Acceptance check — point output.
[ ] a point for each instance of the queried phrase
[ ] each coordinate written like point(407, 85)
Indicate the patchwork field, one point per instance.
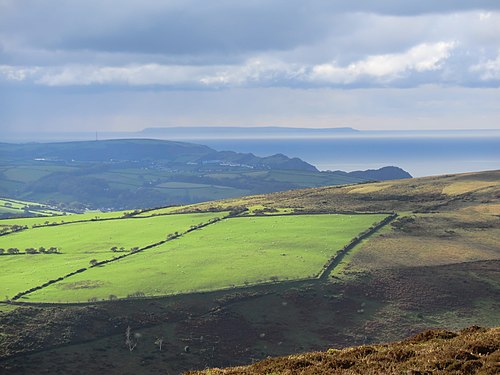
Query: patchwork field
point(435, 265)
point(16, 207)
point(241, 251)
point(235, 252)
point(78, 243)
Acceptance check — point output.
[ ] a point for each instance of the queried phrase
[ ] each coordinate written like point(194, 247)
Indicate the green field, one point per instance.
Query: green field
point(88, 216)
point(16, 207)
point(234, 252)
point(78, 244)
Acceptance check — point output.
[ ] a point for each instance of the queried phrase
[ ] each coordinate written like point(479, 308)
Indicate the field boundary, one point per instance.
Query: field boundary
point(337, 258)
point(93, 220)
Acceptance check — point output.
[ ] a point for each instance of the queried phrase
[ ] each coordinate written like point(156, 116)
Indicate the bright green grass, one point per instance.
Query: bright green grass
point(14, 206)
point(30, 221)
point(160, 211)
point(79, 243)
point(234, 252)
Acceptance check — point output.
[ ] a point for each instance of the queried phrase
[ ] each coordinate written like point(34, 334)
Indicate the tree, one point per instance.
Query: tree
point(30, 250)
point(93, 262)
point(114, 248)
point(41, 249)
point(159, 342)
point(13, 250)
point(2, 251)
point(131, 344)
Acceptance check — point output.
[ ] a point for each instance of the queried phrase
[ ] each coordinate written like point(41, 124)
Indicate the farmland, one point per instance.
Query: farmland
point(145, 173)
point(435, 265)
point(14, 207)
point(242, 251)
point(80, 242)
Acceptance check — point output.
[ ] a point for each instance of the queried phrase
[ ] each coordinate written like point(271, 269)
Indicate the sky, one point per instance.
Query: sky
point(125, 65)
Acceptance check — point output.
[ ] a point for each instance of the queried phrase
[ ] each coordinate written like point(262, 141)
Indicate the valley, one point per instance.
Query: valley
point(112, 175)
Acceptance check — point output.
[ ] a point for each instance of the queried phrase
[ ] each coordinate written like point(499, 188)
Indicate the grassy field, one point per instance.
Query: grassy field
point(16, 207)
point(88, 216)
point(235, 252)
point(79, 243)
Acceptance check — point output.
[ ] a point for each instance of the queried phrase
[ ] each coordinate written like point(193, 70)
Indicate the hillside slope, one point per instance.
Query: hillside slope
point(471, 351)
point(435, 266)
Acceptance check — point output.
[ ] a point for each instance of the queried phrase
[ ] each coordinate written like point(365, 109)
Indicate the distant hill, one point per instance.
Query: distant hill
point(382, 174)
point(142, 150)
point(138, 173)
point(220, 132)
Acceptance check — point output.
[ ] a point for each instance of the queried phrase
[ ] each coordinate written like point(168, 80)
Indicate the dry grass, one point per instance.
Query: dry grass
point(472, 351)
point(463, 187)
point(448, 192)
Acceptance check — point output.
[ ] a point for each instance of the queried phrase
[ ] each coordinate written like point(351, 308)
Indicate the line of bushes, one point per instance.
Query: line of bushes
point(95, 263)
point(30, 250)
point(356, 240)
point(12, 229)
point(53, 281)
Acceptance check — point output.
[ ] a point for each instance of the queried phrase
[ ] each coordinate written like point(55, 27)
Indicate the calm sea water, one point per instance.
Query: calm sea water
point(421, 156)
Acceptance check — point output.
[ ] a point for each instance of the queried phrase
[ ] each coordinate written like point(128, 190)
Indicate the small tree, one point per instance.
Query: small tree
point(51, 250)
point(93, 262)
point(131, 344)
point(2, 251)
point(30, 250)
point(114, 248)
point(159, 342)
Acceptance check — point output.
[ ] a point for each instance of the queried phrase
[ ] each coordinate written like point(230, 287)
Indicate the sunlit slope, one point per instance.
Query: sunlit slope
point(14, 207)
point(233, 252)
point(439, 193)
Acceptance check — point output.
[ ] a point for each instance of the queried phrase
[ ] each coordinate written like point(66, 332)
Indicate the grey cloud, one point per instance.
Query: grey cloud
point(194, 27)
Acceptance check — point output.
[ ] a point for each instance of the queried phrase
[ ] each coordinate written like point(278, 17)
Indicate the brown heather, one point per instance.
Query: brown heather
point(473, 350)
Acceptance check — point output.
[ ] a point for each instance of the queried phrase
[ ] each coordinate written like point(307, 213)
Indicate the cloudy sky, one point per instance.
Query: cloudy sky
point(129, 64)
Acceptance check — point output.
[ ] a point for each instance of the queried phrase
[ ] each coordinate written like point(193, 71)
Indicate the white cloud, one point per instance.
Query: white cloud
point(387, 67)
point(488, 70)
point(256, 71)
point(147, 74)
point(12, 73)
point(261, 71)
point(483, 16)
